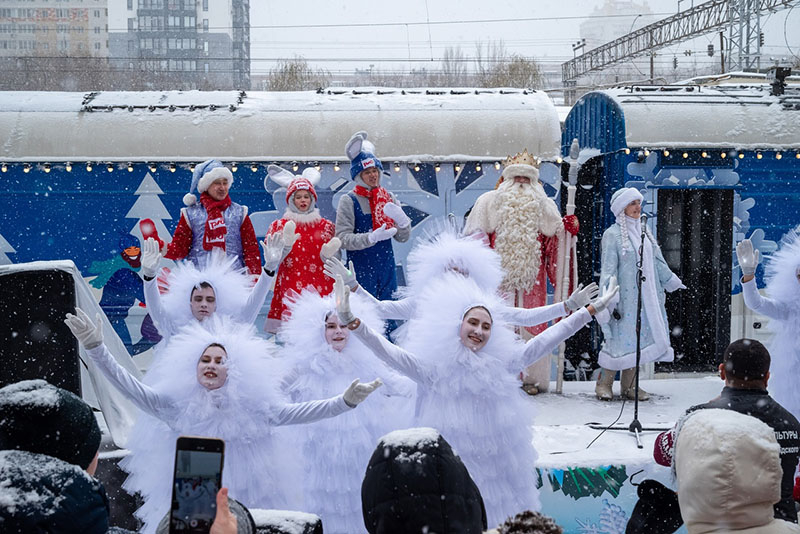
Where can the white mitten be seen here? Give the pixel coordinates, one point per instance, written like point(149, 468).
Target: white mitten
point(582, 296)
point(273, 251)
point(330, 248)
point(334, 267)
point(357, 392)
point(396, 213)
point(747, 256)
point(381, 234)
point(289, 234)
point(89, 334)
point(151, 257)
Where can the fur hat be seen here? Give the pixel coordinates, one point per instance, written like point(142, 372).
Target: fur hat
point(204, 175)
point(36, 416)
point(292, 182)
point(622, 197)
point(361, 154)
point(523, 164)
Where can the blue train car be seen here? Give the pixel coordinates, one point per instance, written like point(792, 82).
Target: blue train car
point(80, 171)
point(716, 164)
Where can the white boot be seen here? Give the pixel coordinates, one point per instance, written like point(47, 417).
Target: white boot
point(627, 383)
point(605, 380)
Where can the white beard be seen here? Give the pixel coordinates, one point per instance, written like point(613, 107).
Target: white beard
point(524, 212)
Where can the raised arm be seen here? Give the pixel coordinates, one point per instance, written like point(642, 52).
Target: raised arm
point(543, 314)
point(395, 357)
point(90, 336)
point(387, 309)
point(151, 258)
point(308, 412)
point(748, 261)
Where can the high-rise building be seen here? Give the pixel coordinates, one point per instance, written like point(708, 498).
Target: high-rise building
point(43, 28)
point(182, 44)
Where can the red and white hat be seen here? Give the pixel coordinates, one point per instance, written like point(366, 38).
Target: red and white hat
point(292, 182)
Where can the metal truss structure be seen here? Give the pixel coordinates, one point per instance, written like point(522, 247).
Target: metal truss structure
point(742, 17)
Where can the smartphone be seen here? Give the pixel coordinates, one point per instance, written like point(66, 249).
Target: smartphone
point(196, 480)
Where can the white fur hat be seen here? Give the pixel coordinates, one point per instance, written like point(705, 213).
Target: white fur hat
point(622, 197)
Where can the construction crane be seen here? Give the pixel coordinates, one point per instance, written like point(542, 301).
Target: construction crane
point(741, 17)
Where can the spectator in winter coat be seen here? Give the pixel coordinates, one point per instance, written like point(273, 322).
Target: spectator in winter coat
point(745, 370)
point(216, 222)
point(728, 470)
point(416, 483)
point(368, 218)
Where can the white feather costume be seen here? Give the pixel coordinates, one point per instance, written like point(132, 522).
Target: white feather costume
point(473, 398)
point(335, 453)
point(444, 249)
point(242, 412)
point(782, 305)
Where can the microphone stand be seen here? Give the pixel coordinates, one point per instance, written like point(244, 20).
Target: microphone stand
point(635, 426)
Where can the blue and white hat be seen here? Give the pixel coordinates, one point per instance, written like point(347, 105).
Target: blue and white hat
point(204, 175)
point(361, 154)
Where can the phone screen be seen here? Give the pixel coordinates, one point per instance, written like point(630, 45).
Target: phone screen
point(197, 479)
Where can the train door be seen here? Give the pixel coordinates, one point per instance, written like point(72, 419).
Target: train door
point(695, 231)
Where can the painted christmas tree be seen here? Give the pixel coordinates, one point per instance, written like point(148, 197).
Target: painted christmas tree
point(149, 206)
point(5, 249)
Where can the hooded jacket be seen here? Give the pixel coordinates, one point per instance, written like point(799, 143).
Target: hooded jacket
point(728, 471)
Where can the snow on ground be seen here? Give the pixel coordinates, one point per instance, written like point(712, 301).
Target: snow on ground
point(561, 434)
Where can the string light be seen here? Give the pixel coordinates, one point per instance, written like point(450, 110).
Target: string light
point(253, 167)
point(478, 167)
point(4, 167)
point(396, 166)
point(497, 165)
point(797, 156)
point(741, 155)
point(758, 155)
point(437, 167)
point(685, 155)
point(88, 166)
point(26, 168)
point(416, 167)
point(192, 167)
point(457, 167)
point(234, 167)
point(666, 153)
point(704, 154)
point(172, 167)
point(110, 167)
point(646, 152)
point(317, 166)
point(153, 167)
point(723, 155)
point(559, 160)
point(778, 155)
point(46, 167)
point(68, 167)
point(295, 166)
point(336, 166)
point(627, 151)
point(130, 167)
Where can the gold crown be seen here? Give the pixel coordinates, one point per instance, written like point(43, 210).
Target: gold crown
point(522, 158)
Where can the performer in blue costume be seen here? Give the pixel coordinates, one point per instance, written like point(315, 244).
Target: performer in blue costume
point(368, 218)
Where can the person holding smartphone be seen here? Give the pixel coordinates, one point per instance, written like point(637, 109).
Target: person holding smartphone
point(220, 384)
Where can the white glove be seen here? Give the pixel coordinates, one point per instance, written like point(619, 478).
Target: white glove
point(289, 234)
point(89, 334)
point(151, 257)
point(330, 248)
point(335, 268)
point(396, 213)
point(582, 296)
point(609, 292)
point(273, 251)
point(357, 392)
point(748, 258)
point(342, 294)
point(381, 234)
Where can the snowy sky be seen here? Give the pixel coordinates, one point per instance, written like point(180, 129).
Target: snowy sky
point(387, 33)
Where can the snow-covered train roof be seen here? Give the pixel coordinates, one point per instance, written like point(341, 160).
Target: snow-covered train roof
point(405, 124)
point(738, 116)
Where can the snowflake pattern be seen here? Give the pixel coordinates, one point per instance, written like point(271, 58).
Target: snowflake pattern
point(612, 520)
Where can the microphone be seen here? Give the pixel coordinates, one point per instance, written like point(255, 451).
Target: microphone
point(643, 219)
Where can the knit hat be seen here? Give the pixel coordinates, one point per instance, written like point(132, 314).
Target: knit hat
point(204, 175)
point(292, 182)
point(622, 197)
point(38, 417)
point(746, 359)
point(361, 154)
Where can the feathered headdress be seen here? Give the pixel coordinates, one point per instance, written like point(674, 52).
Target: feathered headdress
point(782, 269)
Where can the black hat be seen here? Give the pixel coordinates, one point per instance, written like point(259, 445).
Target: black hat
point(38, 417)
point(746, 359)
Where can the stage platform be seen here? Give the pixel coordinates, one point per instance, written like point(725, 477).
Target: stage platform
point(588, 490)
